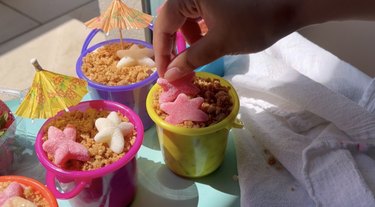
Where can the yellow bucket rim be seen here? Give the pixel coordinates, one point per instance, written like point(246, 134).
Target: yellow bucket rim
point(227, 122)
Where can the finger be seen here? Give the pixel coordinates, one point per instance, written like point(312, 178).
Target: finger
point(163, 53)
point(203, 26)
point(191, 31)
point(207, 49)
point(169, 20)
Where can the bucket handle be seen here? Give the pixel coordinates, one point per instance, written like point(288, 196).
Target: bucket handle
point(88, 40)
point(50, 181)
point(180, 42)
point(92, 34)
point(237, 123)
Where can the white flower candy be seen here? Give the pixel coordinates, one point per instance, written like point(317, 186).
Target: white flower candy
point(135, 56)
point(112, 131)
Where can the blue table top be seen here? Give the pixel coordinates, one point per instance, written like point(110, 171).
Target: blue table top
point(158, 186)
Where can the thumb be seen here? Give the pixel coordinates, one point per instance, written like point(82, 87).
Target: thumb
point(207, 49)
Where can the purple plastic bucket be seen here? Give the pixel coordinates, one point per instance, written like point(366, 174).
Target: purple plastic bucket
point(133, 95)
point(113, 185)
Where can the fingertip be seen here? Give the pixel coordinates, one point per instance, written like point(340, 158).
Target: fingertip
point(202, 52)
point(174, 73)
point(162, 62)
point(165, 28)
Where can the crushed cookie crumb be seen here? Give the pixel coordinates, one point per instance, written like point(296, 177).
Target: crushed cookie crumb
point(271, 160)
point(100, 66)
point(100, 153)
point(217, 102)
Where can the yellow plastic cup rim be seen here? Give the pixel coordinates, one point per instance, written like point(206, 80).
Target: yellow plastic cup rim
point(227, 122)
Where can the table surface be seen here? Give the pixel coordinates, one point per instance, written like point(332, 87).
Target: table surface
point(158, 186)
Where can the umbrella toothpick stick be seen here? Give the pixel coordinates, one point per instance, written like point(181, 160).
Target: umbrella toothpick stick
point(50, 93)
point(119, 15)
point(36, 65)
point(122, 43)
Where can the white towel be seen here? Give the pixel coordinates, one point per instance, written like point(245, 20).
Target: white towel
point(311, 112)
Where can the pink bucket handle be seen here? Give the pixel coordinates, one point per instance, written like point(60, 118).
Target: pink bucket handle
point(180, 42)
point(50, 181)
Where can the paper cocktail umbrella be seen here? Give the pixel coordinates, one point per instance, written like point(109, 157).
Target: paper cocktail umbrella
point(119, 16)
point(50, 92)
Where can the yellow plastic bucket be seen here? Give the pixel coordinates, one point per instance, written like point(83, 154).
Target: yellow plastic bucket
point(194, 152)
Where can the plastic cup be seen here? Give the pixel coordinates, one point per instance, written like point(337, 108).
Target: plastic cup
point(133, 95)
point(194, 152)
point(113, 185)
point(34, 184)
point(8, 137)
point(6, 151)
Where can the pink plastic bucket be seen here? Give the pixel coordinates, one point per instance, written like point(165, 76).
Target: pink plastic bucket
point(133, 95)
point(113, 185)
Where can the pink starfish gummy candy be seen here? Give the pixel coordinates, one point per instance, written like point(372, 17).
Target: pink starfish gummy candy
point(183, 109)
point(172, 89)
point(62, 145)
point(13, 189)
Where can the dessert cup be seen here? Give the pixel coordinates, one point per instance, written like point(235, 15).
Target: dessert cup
point(112, 185)
point(7, 134)
point(7, 141)
point(194, 152)
point(34, 185)
point(133, 95)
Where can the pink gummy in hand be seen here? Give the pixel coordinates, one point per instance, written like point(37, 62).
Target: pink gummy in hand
point(183, 109)
point(62, 145)
point(13, 189)
point(172, 89)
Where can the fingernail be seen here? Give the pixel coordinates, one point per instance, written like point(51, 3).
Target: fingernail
point(173, 74)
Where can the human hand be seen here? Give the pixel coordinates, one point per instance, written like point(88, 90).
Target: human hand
point(234, 27)
point(239, 26)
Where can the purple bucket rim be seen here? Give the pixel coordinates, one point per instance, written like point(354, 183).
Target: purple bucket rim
point(99, 86)
point(87, 175)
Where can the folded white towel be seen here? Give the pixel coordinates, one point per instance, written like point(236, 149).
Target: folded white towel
point(300, 105)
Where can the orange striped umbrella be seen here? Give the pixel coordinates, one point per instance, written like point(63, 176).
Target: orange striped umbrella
point(119, 15)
